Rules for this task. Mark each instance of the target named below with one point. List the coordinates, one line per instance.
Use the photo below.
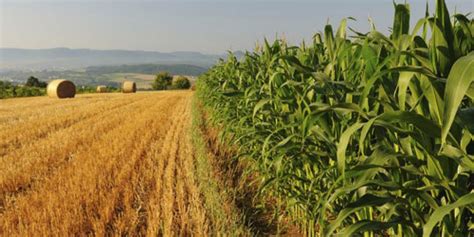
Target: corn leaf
(459, 81)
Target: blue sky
(178, 25)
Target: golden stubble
(108, 164)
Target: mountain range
(66, 58)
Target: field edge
(222, 213)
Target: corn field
(367, 133)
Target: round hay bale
(129, 87)
(61, 89)
(101, 89)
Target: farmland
(367, 134)
(104, 75)
(99, 164)
(349, 134)
(143, 80)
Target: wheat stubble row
(125, 168)
(27, 128)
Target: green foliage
(84, 89)
(34, 82)
(162, 81)
(371, 135)
(113, 89)
(181, 82)
(8, 90)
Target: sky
(207, 26)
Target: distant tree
(34, 82)
(181, 82)
(5, 89)
(162, 81)
(85, 89)
(8, 90)
(5, 84)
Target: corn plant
(369, 134)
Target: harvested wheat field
(104, 164)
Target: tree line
(165, 81)
(32, 87)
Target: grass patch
(216, 200)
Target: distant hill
(175, 69)
(65, 58)
(98, 75)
